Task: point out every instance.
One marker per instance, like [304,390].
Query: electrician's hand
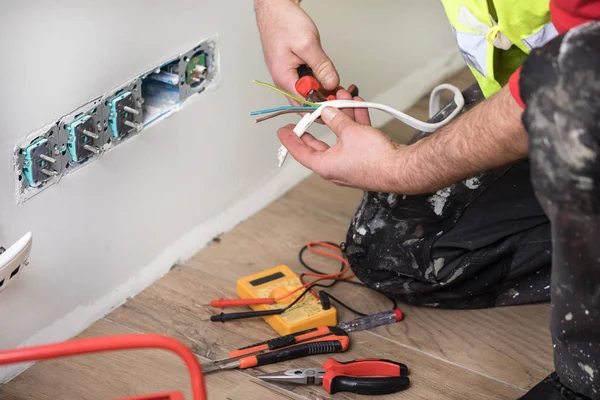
[290,38]
[363,156]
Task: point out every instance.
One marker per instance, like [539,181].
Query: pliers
[309,87]
[366,376]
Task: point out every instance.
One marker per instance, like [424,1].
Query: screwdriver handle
[372,321]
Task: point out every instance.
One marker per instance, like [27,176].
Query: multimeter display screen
[267,279]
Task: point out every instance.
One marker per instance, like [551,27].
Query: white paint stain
[472,183]
[438,263]
[547,287]
[456,274]
[569,316]
[438,200]
[392,199]
[587,312]
[587,369]
[362,231]
[515,295]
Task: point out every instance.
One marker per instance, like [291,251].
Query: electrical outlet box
[125,113]
[81,136]
[39,159]
[14,259]
[82,133]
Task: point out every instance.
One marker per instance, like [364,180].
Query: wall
[106,232]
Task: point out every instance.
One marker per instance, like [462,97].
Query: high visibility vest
[494,37]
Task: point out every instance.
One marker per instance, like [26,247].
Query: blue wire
[293,108]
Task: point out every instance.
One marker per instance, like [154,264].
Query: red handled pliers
[366,376]
[310,88]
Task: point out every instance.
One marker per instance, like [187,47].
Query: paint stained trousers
[527,232]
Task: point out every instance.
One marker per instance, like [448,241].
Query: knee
[560,85]
[568,66]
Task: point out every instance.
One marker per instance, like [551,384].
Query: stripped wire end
[281,156]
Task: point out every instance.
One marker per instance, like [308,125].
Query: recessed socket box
[81,136]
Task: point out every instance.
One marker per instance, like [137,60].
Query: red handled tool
[310,88]
[324,340]
[366,376]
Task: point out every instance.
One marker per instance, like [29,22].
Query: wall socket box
[81,136]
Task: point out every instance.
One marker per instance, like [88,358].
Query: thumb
[338,121]
[322,67]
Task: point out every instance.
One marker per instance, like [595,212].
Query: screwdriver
[372,321]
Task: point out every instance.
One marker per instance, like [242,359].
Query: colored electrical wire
[308,119]
[286,108]
[275,114]
[283,92]
[347,307]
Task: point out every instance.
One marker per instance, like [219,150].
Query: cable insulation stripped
[288,94]
[286,108]
[308,119]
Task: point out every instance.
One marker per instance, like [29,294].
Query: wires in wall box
[72,140]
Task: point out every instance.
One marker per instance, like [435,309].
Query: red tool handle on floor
[115,343]
[366,367]
[324,345]
[366,376]
[283,341]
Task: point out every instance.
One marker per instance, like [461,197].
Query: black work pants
[494,240]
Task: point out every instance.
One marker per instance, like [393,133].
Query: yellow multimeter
[275,282]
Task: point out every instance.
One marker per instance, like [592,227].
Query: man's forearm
[259,3]
[488,136]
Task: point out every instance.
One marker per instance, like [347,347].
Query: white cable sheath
[434,107]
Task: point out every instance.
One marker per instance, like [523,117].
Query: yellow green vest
[494,37]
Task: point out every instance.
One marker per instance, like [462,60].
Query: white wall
[107,231]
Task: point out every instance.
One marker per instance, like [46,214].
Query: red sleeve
[566,14]
[513,84]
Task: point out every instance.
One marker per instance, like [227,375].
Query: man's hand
[363,156]
[290,39]
[490,135]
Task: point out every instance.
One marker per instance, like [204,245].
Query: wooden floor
[482,354]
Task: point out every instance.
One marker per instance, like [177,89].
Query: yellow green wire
[283,92]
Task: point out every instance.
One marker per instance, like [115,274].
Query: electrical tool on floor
[323,340]
[286,310]
[275,282]
[372,321]
[367,376]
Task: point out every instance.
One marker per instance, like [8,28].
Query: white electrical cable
[434,107]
